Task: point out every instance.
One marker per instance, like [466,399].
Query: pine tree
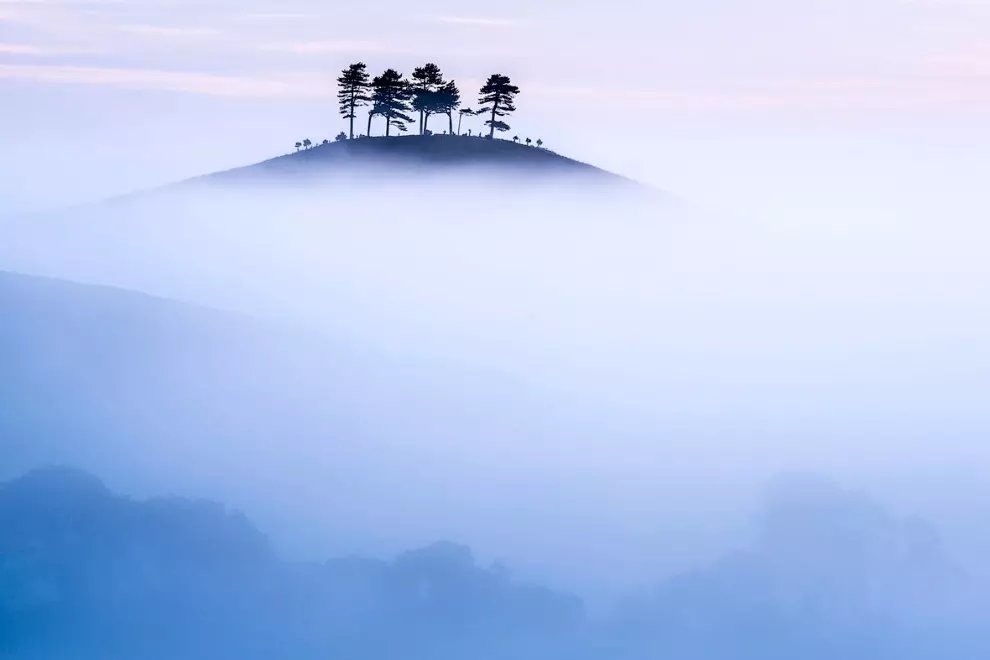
[498,98]
[446,101]
[391,97]
[371,115]
[427,81]
[353,88]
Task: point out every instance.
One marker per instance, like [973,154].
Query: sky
[750,106]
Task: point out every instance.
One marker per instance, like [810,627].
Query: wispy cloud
[479,21]
[170,31]
[26,49]
[294,85]
[277,16]
[323,47]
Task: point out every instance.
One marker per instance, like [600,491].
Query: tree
[498,98]
[529,141]
[446,100]
[539,144]
[371,115]
[353,88]
[391,97]
[326,142]
[463,111]
[298,146]
[427,81]
[515,138]
[340,137]
[307,143]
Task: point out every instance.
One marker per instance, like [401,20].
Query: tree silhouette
[515,138]
[529,141]
[340,137]
[353,88]
[499,126]
[498,98]
[371,115]
[539,143]
[427,81]
[446,100]
[326,142]
[307,143]
[298,146]
[391,97]
[463,111]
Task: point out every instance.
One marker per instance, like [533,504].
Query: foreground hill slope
[90,574]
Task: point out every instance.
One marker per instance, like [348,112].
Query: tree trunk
[422,125]
[352,118]
[371,114]
[491,132]
[388,124]
[426,124]
[450,120]
[460,118]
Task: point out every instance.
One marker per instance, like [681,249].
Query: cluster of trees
[426,93]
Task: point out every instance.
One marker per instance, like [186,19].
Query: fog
[593,387]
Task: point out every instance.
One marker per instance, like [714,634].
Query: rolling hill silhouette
[436,154]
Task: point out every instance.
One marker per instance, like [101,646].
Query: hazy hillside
[89,574]
[152,393]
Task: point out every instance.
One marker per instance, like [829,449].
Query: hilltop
[371,158]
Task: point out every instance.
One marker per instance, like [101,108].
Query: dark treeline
[401,101]
[88,574]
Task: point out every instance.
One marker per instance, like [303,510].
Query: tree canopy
[498,98]
[427,81]
[426,92]
[391,97]
[353,91]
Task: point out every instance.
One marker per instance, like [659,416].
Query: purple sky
[754,101]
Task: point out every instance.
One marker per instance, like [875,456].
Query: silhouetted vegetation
[498,98]
[427,93]
[353,92]
[391,97]
[461,114]
[427,81]
[89,574]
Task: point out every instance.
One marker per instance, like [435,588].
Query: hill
[373,158]
[89,574]
[153,392]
